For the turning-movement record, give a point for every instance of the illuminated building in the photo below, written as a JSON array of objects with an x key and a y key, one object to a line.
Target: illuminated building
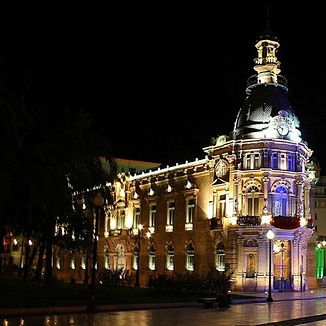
[{"x": 215, "y": 212}]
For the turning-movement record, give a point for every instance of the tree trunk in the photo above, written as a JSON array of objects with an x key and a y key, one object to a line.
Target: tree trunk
[
  {"x": 2, "y": 234},
  {"x": 38, "y": 273},
  {"x": 49, "y": 279}
]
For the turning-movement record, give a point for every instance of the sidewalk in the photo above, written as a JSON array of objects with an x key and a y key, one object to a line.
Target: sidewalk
[
  {"x": 256, "y": 297},
  {"x": 286, "y": 295}
]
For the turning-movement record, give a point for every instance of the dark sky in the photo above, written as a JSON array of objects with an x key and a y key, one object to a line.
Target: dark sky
[{"x": 161, "y": 80}]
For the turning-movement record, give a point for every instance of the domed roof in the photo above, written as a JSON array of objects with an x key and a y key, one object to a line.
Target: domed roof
[
  {"x": 267, "y": 112},
  {"x": 264, "y": 102}
]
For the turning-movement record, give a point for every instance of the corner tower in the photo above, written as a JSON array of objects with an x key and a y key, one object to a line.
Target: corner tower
[
  {"x": 262, "y": 176},
  {"x": 266, "y": 112}
]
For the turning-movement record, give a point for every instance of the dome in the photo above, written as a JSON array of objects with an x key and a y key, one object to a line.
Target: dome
[
  {"x": 264, "y": 102},
  {"x": 267, "y": 112}
]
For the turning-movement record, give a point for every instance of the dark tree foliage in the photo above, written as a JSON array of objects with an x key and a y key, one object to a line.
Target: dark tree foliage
[{"x": 48, "y": 155}]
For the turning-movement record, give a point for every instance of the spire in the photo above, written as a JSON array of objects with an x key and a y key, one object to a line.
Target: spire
[{"x": 267, "y": 31}]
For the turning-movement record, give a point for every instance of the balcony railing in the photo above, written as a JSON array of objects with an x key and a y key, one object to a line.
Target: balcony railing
[{"x": 249, "y": 220}]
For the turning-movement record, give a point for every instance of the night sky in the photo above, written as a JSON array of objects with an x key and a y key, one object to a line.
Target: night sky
[{"x": 161, "y": 80}]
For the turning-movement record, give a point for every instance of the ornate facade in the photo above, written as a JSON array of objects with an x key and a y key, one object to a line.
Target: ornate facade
[{"x": 215, "y": 212}]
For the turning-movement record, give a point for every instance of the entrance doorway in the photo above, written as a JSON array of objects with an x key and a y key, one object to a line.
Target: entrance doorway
[{"x": 282, "y": 265}]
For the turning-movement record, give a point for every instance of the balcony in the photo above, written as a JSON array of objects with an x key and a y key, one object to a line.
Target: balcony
[{"x": 249, "y": 220}]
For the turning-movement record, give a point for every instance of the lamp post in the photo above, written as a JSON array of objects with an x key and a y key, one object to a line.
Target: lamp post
[
  {"x": 270, "y": 237},
  {"x": 98, "y": 203},
  {"x": 138, "y": 256}
]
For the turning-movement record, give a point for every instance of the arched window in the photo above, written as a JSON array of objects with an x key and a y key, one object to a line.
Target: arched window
[
  {"x": 170, "y": 256},
  {"x": 83, "y": 260},
  {"x": 121, "y": 263},
  {"x": 58, "y": 262},
  {"x": 220, "y": 257},
  {"x": 253, "y": 201},
  {"x": 190, "y": 257},
  {"x": 281, "y": 200},
  {"x": 152, "y": 257}
]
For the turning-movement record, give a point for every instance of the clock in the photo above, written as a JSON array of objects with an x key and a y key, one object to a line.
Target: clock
[{"x": 282, "y": 128}]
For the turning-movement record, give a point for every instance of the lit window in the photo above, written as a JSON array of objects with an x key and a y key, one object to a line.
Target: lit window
[
  {"x": 281, "y": 200},
  {"x": 257, "y": 161},
  {"x": 15, "y": 246},
  {"x": 107, "y": 261},
  {"x": 121, "y": 219},
  {"x": 220, "y": 257},
  {"x": 58, "y": 263},
  {"x": 152, "y": 257},
  {"x": 190, "y": 257},
  {"x": 170, "y": 213},
  {"x": 253, "y": 201},
  {"x": 152, "y": 218},
  {"x": 136, "y": 218},
  {"x": 73, "y": 262},
  {"x": 135, "y": 258},
  {"x": 83, "y": 262},
  {"x": 170, "y": 257},
  {"x": 190, "y": 210}
]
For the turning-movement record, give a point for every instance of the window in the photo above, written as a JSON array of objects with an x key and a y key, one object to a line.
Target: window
[
  {"x": 121, "y": 219},
  {"x": 152, "y": 257},
  {"x": 220, "y": 257},
  {"x": 170, "y": 216},
  {"x": 281, "y": 199},
  {"x": 222, "y": 206},
  {"x": 283, "y": 162},
  {"x": 152, "y": 217},
  {"x": 107, "y": 261},
  {"x": 58, "y": 262},
  {"x": 253, "y": 201},
  {"x": 83, "y": 261},
  {"x": 135, "y": 258},
  {"x": 190, "y": 257},
  {"x": 170, "y": 257},
  {"x": 291, "y": 163},
  {"x": 274, "y": 162},
  {"x": 248, "y": 161},
  {"x": 257, "y": 161},
  {"x": 136, "y": 217},
  {"x": 190, "y": 210},
  {"x": 170, "y": 213},
  {"x": 121, "y": 257},
  {"x": 15, "y": 246},
  {"x": 73, "y": 261}
]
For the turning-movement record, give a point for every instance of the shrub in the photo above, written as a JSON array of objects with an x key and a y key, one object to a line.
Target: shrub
[{"x": 214, "y": 281}]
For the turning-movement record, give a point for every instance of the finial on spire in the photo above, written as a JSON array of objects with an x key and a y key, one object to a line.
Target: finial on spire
[
  {"x": 267, "y": 24},
  {"x": 267, "y": 31}
]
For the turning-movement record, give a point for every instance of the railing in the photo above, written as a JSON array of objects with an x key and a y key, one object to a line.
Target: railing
[{"x": 249, "y": 220}]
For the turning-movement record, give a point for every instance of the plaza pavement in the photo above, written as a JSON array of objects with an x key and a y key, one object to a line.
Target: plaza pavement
[{"x": 287, "y": 308}]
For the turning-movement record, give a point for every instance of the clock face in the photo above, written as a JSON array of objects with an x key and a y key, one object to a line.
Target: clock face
[{"x": 282, "y": 128}]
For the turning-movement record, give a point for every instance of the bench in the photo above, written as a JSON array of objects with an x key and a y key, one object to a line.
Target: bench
[{"x": 208, "y": 302}]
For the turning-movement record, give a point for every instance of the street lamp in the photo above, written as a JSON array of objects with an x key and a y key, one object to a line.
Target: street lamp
[
  {"x": 138, "y": 256},
  {"x": 98, "y": 203},
  {"x": 270, "y": 237}
]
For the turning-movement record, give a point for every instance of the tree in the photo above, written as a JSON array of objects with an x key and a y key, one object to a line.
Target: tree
[{"x": 48, "y": 154}]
